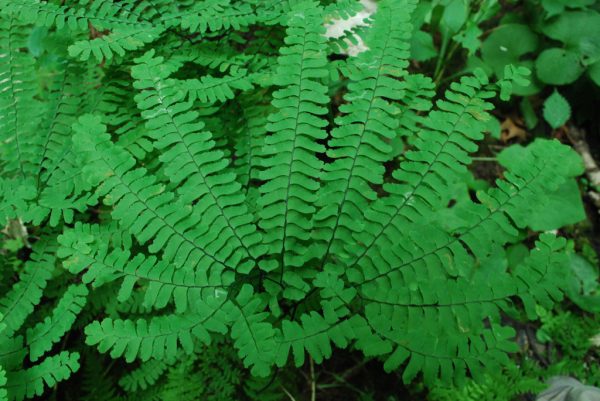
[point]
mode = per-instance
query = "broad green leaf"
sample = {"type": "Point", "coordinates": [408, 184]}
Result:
{"type": "Point", "coordinates": [422, 47]}
{"type": "Point", "coordinates": [583, 287]}
{"type": "Point", "coordinates": [508, 44]}
{"type": "Point", "coordinates": [594, 72]}
{"type": "Point", "coordinates": [454, 16]}
{"type": "Point", "coordinates": [578, 30]}
{"type": "Point", "coordinates": [558, 66]}
{"type": "Point", "coordinates": [560, 207]}
{"type": "Point", "coordinates": [556, 110]}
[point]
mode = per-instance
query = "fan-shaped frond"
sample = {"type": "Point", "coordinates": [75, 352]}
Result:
{"type": "Point", "coordinates": [41, 337]}
{"type": "Point", "coordinates": [16, 306]}
{"type": "Point", "coordinates": [289, 153]}
{"type": "Point", "coordinates": [162, 281]}
{"type": "Point", "coordinates": [360, 143]}
{"type": "Point", "coordinates": [161, 337]}
{"type": "Point", "coordinates": [191, 162]}
{"type": "Point", "coordinates": [30, 382]}
{"type": "Point", "coordinates": [144, 208]}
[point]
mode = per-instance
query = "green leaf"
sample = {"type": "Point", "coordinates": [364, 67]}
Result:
{"type": "Point", "coordinates": [578, 30]}
{"type": "Point", "coordinates": [558, 66]}
{"type": "Point", "coordinates": [422, 47]}
{"type": "Point", "coordinates": [556, 110]}
{"type": "Point", "coordinates": [559, 207]}
{"type": "Point", "coordinates": [582, 286]}
{"type": "Point", "coordinates": [529, 115]}
{"type": "Point", "coordinates": [509, 44]}
{"type": "Point", "coordinates": [454, 16]}
{"type": "Point", "coordinates": [469, 38]}
{"type": "Point", "coordinates": [594, 72]}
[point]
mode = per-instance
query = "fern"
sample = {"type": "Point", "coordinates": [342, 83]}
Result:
{"type": "Point", "coordinates": [19, 302]}
{"type": "Point", "coordinates": [17, 307]}
{"type": "Point", "coordinates": [289, 160]}
{"type": "Point", "coordinates": [31, 382]}
{"type": "Point", "coordinates": [41, 337]}
{"type": "Point", "coordinates": [198, 176]}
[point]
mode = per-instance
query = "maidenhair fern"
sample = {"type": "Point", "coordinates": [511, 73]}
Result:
{"type": "Point", "coordinates": [202, 172]}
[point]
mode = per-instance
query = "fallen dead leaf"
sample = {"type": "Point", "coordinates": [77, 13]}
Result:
{"type": "Point", "coordinates": [511, 130]}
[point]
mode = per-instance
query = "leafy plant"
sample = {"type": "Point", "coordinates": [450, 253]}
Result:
{"type": "Point", "coordinates": [208, 174]}
{"type": "Point", "coordinates": [556, 40]}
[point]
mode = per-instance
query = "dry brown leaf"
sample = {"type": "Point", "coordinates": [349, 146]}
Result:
{"type": "Point", "coordinates": [511, 130]}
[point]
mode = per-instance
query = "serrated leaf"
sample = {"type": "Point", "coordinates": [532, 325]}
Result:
{"type": "Point", "coordinates": [556, 110]}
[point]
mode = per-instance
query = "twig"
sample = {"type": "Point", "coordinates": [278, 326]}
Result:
{"type": "Point", "coordinates": [291, 397]}
{"type": "Point", "coordinates": [313, 382]}
{"type": "Point", "coordinates": [577, 138]}
{"type": "Point", "coordinates": [484, 159]}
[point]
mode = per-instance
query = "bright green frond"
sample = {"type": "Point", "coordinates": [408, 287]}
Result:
{"type": "Point", "coordinates": [41, 337]}
{"type": "Point", "coordinates": [16, 306]}
{"type": "Point", "coordinates": [253, 335]}
{"type": "Point", "coordinates": [160, 337]}
{"type": "Point", "coordinates": [291, 167]}
{"type": "Point", "coordinates": [31, 382]}
{"type": "Point", "coordinates": [18, 115]}
{"type": "Point", "coordinates": [191, 161]}
{"type": "Point", "coordinates": [142, 206]}
{"type": "Point", "coordinates": [360, 143]}
{"type": "Point", "coordinates": [161, 282]}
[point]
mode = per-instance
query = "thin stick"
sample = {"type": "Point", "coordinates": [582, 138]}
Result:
{"type": "Point", "coordinates": [313, 383]}
{"type": "Point", "coordinates": [288, 393]}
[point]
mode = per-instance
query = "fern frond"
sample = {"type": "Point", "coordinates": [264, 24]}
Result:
{"type": "Point", "coordinates": [426, 175]}
{"type": "Point", "coordinates": [31, 382]}
{"type": "Point", "coordinates": [144, 376]}
{"type": "Point", "coordinates": [314, 334]}
{"type": "Point", "coordinates": [359, 143]}
{"type": "Point", "coordinates": [164, 281]}
{"type": "Point", "coordinates": [16, 306]}
{"type": "Point", "coordinates": [65, 93]}
{"type": "Point", "coordinates": [253, 336]}
{"type": "Point", "coordinates": [15, 198]}
{"type": "Point", "coordinates": [483, 227]}
{"type": "Point", "coordinates": [103, 48]}
{"type": "Point", "coordinates": [213, 15]}
{"type": "Point", "coordinates": [209, 89]}
{"type": "Point", "coordinates": [102, 14]}
{"type": "Point", "coordinates": [3, 391]}
{"type": "Point", "coordinates": [289, 154]}
{"type": "Point", "coordinates": [192, 163]}
{"type": "Point", "coordinates": [250, 139]}
{"type": "Point", "coordinates": [13, 352]}
{"type": "Point", "coordinates": [342, 9]}
{"type": "Point", "coordinates": [418, 92]}
{"type": "Point", "coordinates": [161, 337]}
{"type": "Point", "coordinates": [42, 336]}
{"type": "Point", "coordinates": [144, 208]}
{"type": "Point", "coordinates": [18, 116]}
